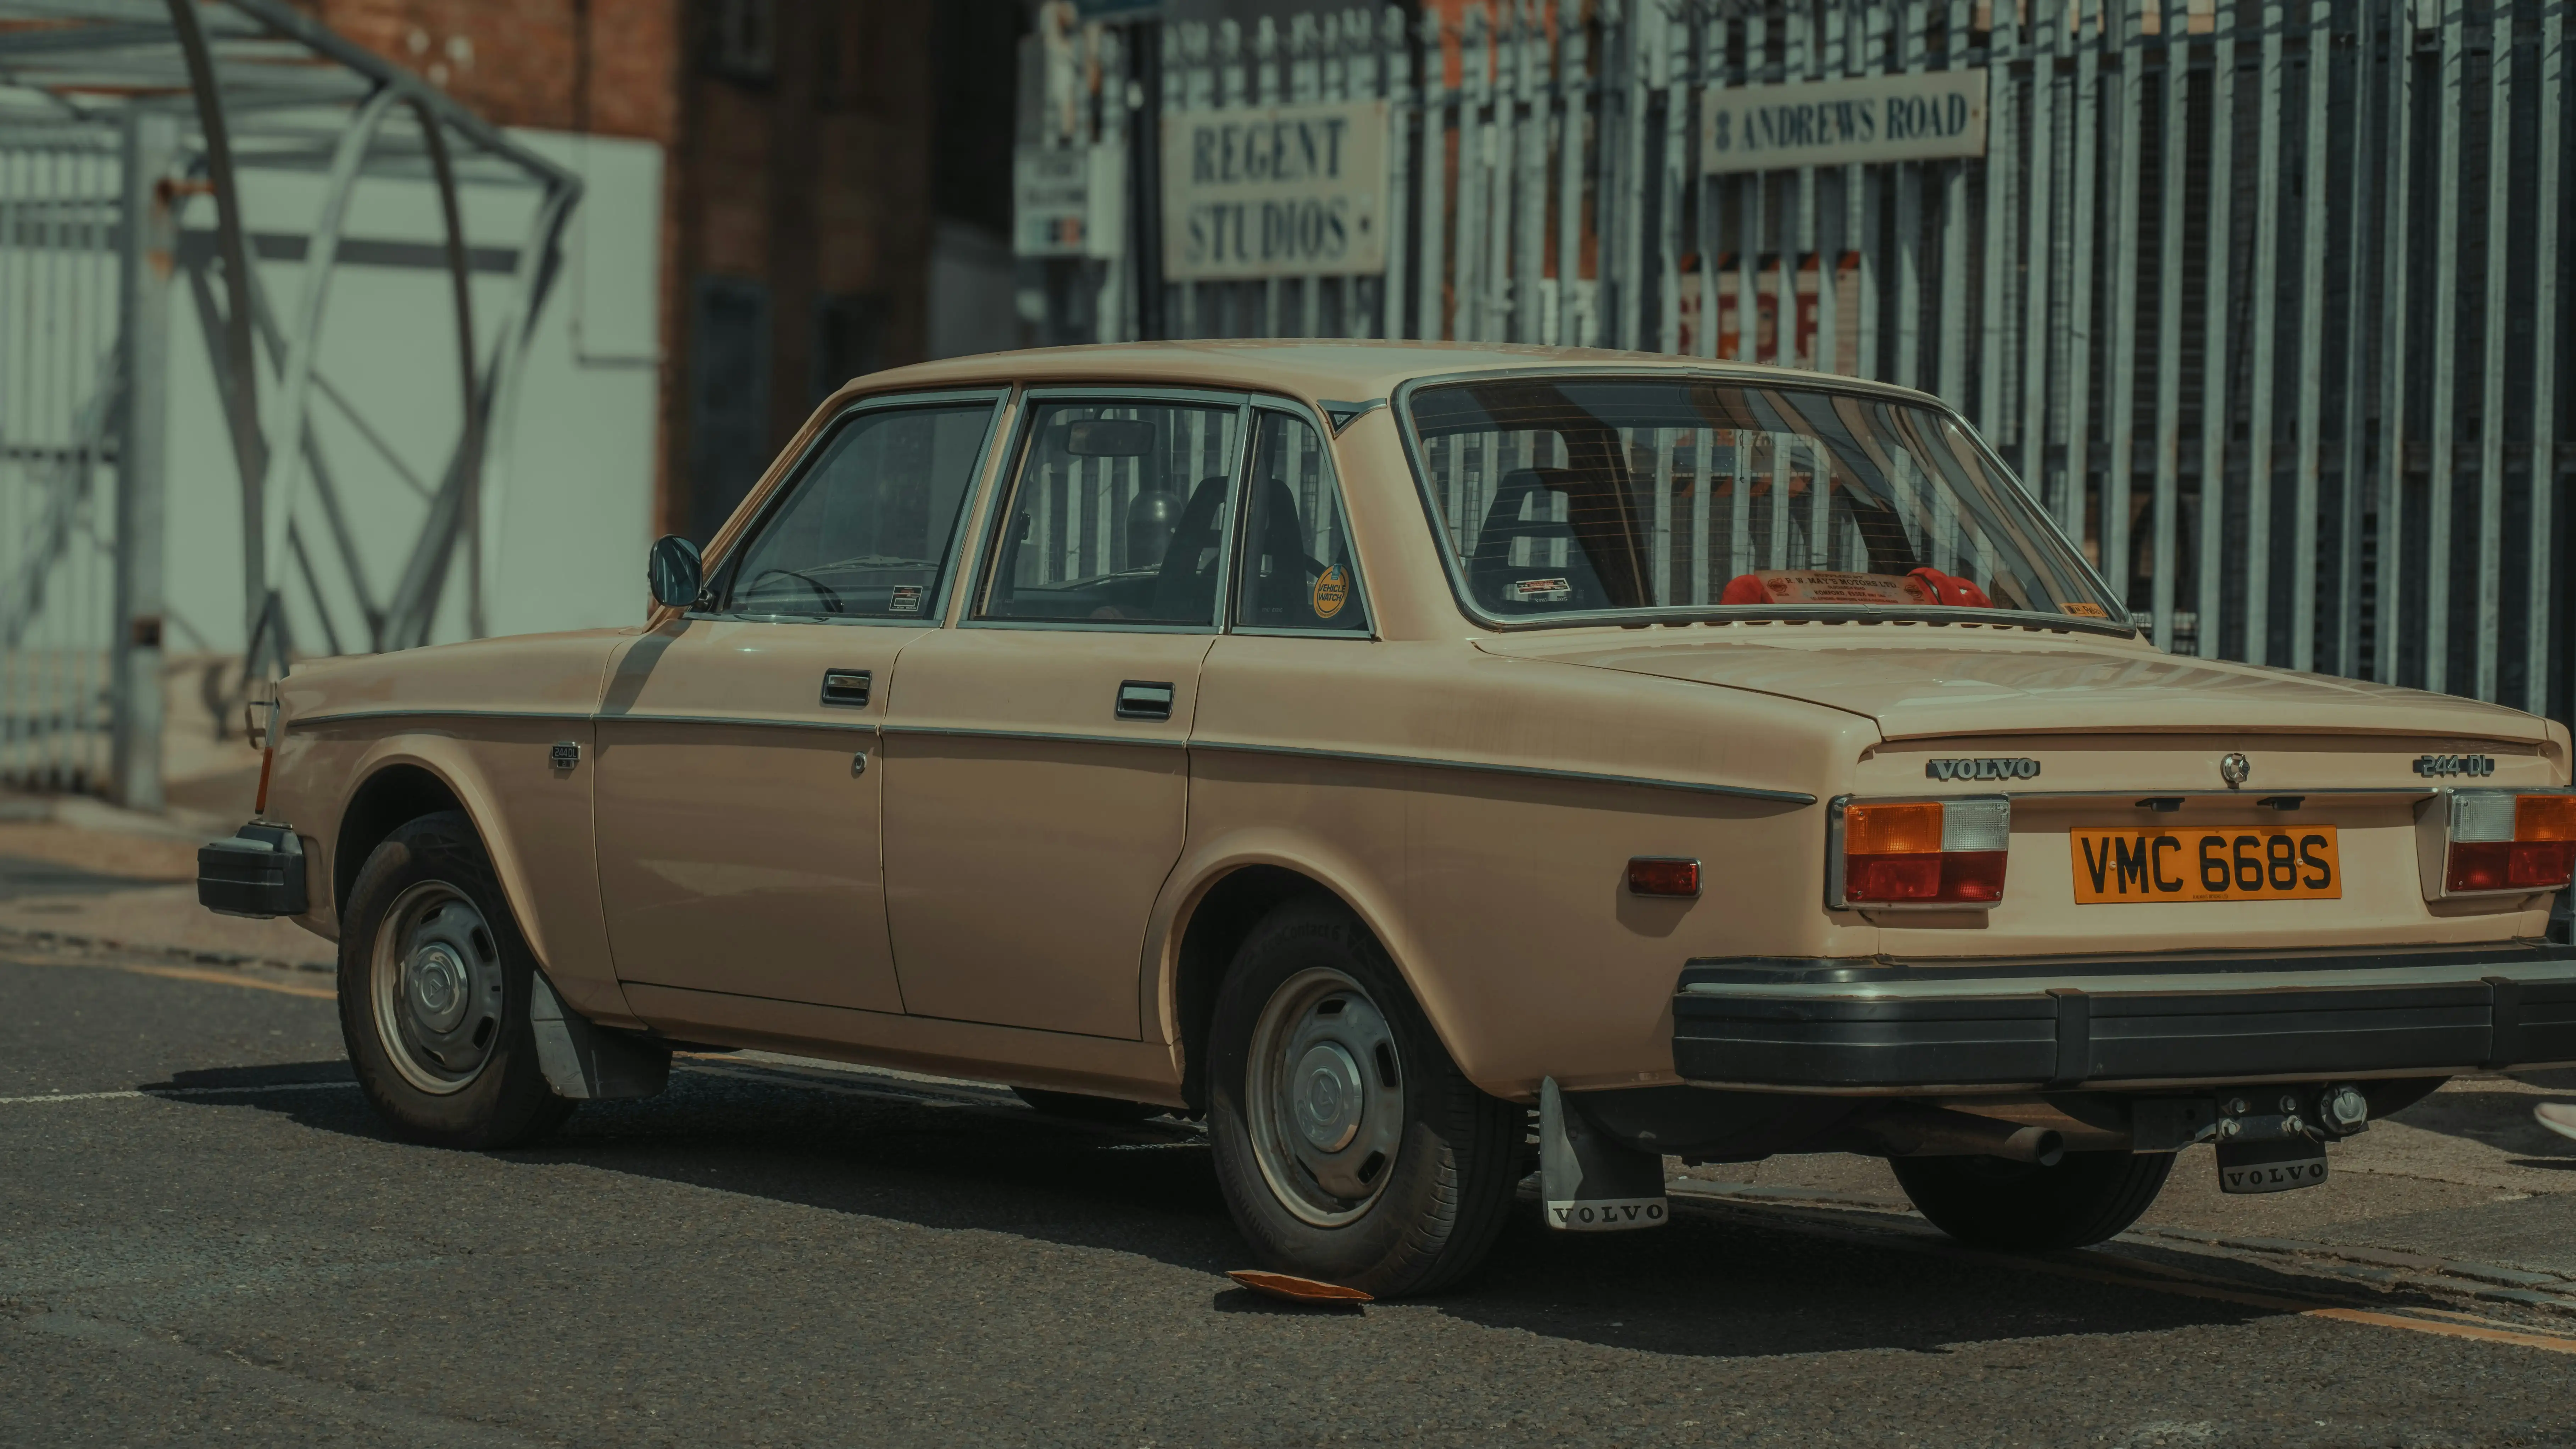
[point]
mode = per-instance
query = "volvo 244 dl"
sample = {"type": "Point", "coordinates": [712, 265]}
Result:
{"type": "Point", "coordinates": [1400, 754]}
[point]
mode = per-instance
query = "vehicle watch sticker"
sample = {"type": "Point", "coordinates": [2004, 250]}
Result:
{"type": "Point", "coordinates": [1332, 590]}
{"type": "Point", "coordinates": [906, 599]}
{"type": "Point", "coordinates": [1542, 591]}
{"type": "Point", "coordinates": [2083, 609]}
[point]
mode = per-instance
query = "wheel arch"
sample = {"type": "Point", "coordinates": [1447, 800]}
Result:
{"type": "Point", "coordinates": [403, 779]}
{"type": "Point", "coordinates": [1214, 902]}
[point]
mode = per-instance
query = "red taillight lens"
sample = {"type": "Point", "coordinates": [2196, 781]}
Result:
{"type": "Point", "coordinates": [1659, 875]}
{"type": "Point", "coordinates": [1925, 852]}
{"type": "Point", "coordinates": [2511, 865]}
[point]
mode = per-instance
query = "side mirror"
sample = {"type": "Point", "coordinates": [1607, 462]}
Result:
{"type": "Point", "coordinates": [673, 571]}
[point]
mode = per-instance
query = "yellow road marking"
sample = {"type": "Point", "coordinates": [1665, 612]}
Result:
{"type": "Point", "coordinates": [2183, 1283]}
{"type": "Point", "coordinates": [227, 978]}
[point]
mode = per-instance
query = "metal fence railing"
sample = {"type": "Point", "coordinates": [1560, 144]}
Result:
{"type": "Point", "coordinates": [60, 382]}
{"type": "Point", "coordinates": [2263, 299]}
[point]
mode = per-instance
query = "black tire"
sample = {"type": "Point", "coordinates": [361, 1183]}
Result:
{"type": "Point", "coordinates": [1079, 1108]}
{"type": "Point", "coordinates": [1437, 1200]}
{"type": "Point", "coordinates": [2021, 1207]}
{"type": "Point", "coordinates": [490, 1091]}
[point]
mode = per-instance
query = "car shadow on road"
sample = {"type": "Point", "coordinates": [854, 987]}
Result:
{"type": "Point", "coordinates": [1743, 1285]}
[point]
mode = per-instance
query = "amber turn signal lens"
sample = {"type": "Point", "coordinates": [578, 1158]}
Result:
{"type": "Point", "coordinates": [1658, 875]}
{"type": "Point", "coordinates": [2544, 817]}
{"type": "Point", "coordinates": [1910, 829]}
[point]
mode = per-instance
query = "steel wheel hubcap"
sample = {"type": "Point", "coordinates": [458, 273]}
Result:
{"type": "Point", "coordinates": [1326, 1097]}
{"type": "Point", "coordinates": [438, 988]}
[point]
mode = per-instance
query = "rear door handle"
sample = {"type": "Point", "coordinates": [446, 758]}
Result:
{"type": "Point", "coordinates": [845, 686]}
{"type": "Point", "coordinates": [1144, 699]}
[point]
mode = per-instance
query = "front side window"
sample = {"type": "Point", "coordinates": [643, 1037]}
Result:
{"type": "Point", "coordinates": [1573, 496]}
{"type": "Point", "coordinates": [1119, 514]}
{"type": "Point", "coordinates": [1296, 571]}
{"type": "Point", "coordinates": [869, 528]}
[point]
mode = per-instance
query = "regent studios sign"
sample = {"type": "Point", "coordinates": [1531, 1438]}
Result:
{"type": "Point", "coordinates": [1854, 120]}
{"type": "Point", "coordinates": [1290, 191]}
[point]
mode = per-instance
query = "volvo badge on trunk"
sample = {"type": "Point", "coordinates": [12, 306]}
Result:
{"type": "Point", "coordinates": [1981, 769]}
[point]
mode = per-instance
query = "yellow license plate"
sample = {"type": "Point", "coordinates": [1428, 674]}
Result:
{"type": "Point", "coordinates": [2213, 863]}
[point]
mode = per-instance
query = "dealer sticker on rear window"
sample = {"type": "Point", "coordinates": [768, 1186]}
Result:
{"type": "Point", "coordinates": [1542, 591]}
{"type": "Point", "coordinates": [906, 599]}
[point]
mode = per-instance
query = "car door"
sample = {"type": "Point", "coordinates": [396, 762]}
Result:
{"type": "Point", "coordinates": [1037, 772]}
{"type": "Point", "coordinates": [738, 793]}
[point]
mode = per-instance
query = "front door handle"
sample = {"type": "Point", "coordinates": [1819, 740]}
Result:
{"type": "Point", "coordinates": [845, 686]}
{"type": "Point", "coordinates": [1144, 699]}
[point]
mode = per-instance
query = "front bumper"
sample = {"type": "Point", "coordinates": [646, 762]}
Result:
{"type": "Point", "coordinates": [258, 872]}
{"type": "Point", "coordinates": [2057, 1023]}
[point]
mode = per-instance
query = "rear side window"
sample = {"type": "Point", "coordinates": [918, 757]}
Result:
{"type": "Point", "coordinates": [1119, 515]}
{"type": "Point", "coordinates": [1296, 571]}
{"type": "Point", "coordinates": [869, 530]}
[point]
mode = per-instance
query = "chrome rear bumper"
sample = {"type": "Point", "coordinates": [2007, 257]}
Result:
{"type": "Point", "coordinates": [2103, 1022]}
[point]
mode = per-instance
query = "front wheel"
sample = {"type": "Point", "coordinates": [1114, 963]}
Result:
{"type": "Point", "coordinates": [434, 984]}
{"type": "Point", "coordinates": [1349, 1146]}
{"type": "Point", "coordinates": [2022, 1207]}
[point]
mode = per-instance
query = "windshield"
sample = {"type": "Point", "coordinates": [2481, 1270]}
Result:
{"type": "Point", "coordinates": [1562, 496]}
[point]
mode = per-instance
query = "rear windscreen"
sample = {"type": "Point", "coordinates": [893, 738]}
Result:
{"type": "Point", "coordinates": [1584, 495]}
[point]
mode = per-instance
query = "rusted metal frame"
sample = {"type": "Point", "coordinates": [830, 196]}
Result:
{"type": "Point", "coordinates": [2262, 326]}
{"type": "Point", "coordinates": [1429, 315]}
{"type": "Point", "coordinates": [242, 398]}
{"type": "Point", "coordinates": [2491, 411]}
{"type": "Point", "coordinates": [1576, 136]}
{"type": "Point", "coordinates": [2312, 340]}
{"type": "Point", "coordinates": [2005, 138]}
{"type": "Point", "coordinates": [2174, 30]}
{"type": "Point", "coordinates": [2448, 222]}
{"type": "Point", "coordinates": [2208, 634]}
{"type": "Point", "coordinates": [2365, 227]}
{"type": "Point", "coordinates": [2119, 370]}
{"type": "Point", "coordinates": [285, 418]}
{"type": "Point", "coordinates": [2547, 338]}
{"type": "Point", "coordinates": [2392, 351]}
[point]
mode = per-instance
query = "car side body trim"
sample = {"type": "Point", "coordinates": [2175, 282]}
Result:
{"type": "Point", "coordinates": [1696, 787]}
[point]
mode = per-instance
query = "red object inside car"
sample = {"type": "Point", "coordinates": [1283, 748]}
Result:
{"type": "Point", "coordinates": [1956, 592]}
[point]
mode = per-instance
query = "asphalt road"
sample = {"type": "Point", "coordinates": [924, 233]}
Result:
{"type": "Point", "coordinates": [224, 1247]}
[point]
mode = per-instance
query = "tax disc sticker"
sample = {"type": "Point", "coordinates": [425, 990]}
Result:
{"type": "Point", "coordinates": [1332, 590]}
{"type": "Point", "coordinates": [1542, 591]}
{"type": "Point", "coordinates": [2083, 609]}
{"type": "Point", "coordinates": [906, 599]}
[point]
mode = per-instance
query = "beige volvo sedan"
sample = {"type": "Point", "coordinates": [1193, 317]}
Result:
{"type": "Point", "coordinates": [1401, 755]}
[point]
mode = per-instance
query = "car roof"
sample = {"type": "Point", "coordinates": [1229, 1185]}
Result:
{"type": "Point", "coordinates": [1317, 370]}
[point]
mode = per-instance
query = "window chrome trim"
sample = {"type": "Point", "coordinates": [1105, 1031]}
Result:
{"type": "Point", "coordinates": [934, 613]}
{"type": "Point", "coordinates": [1711, 613]}
{"type": "Point", "coordinates": [1049, 737]}
{"type": "Point", "coordinates": [1325, 436]}
{"type": "Point", "coordinates": [988, 553]}
{"type": "Point", "coordinates": [1539, 772]}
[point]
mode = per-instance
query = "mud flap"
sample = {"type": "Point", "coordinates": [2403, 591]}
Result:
{"type": "Point", "coordinates": [584, 1063]}
{"type": "Point", "coordinates": [1589, 1183]}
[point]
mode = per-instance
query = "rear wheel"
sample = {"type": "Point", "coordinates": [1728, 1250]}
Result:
{"type": "Point", "coordinates": [2022, 1207]}
{"type": "Point", "coordinates": [434, 982]}
{"type": "Point", "coordinates": [1349, 1146]}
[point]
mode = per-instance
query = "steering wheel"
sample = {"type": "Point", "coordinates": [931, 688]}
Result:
{"type": "Point", "coordinates": [821, 590]}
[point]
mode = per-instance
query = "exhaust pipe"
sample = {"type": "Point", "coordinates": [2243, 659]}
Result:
{"type": "Point", "coordinates": [1916, 1131]}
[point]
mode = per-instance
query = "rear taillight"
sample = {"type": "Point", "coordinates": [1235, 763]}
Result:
{"type": "Point", "coordinates": [1918, 854]}
{"type": "Point", "coordinates": [2504, 842]}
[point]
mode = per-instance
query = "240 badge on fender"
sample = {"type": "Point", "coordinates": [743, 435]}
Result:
{"type": "Point", "coordinates": [2209, 863]}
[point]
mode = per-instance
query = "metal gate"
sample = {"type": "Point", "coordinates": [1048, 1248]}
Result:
{"type": "Point", "coordinates": [60, 380]}
{"type": "Point", "coordinates": [2263, 300]}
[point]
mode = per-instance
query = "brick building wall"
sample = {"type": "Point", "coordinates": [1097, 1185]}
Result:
{"type": "Point", "coordinates": [796, 186]}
